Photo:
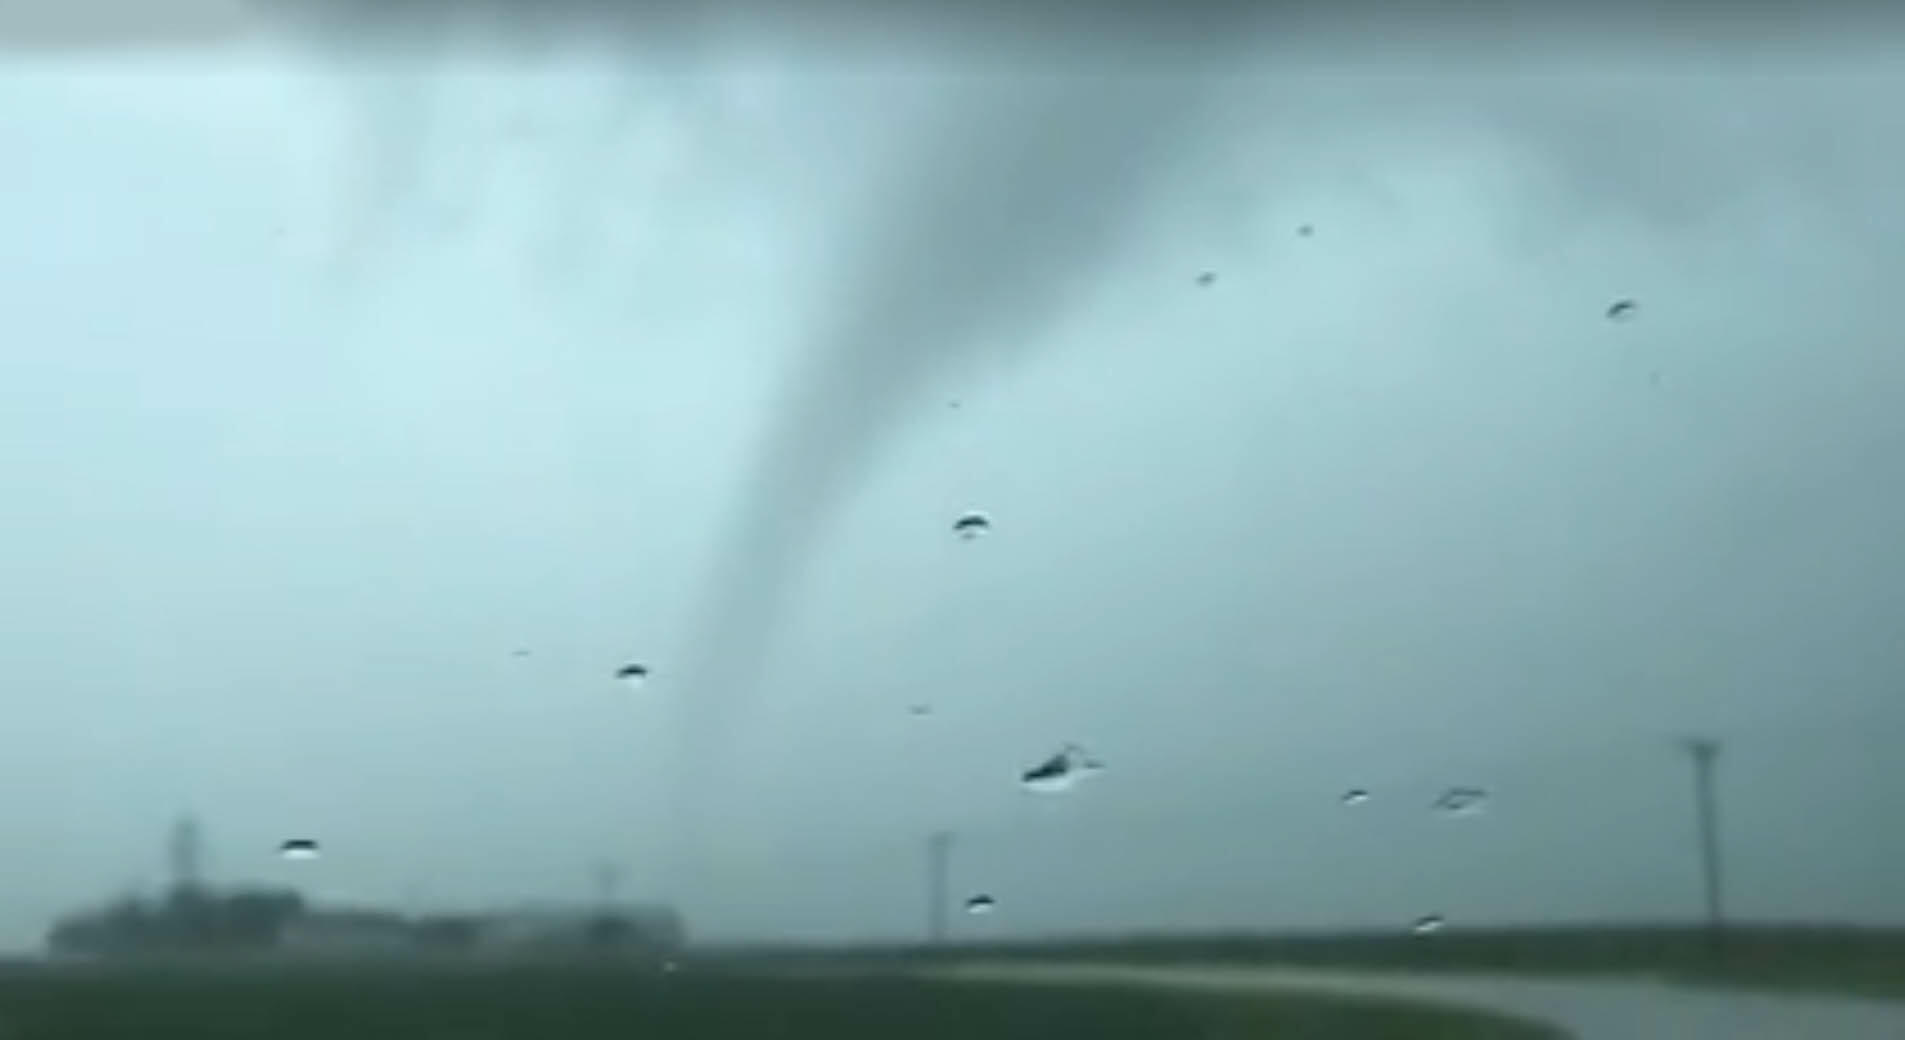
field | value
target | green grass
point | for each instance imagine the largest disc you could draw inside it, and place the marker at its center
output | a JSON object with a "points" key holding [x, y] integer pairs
{"points": [[203, 1003]]}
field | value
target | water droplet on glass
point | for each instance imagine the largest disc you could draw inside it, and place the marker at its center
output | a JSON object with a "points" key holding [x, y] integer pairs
{"points": [[298, 849], [1622, 310], [632, 675], [1355, 796], [920, 711], [519, 653], [1428, 925], [1048, 778], [1462, 801], [670, 967], [1061, 772], [981, 904], [1306, 230], [972, 525], [1207, 279]]}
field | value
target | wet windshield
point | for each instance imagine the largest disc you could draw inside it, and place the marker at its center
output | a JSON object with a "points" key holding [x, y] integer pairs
{"points": [[730, 491]]}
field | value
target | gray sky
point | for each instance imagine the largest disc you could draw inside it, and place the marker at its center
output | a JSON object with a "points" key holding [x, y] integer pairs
{"points": [[335, 375]]}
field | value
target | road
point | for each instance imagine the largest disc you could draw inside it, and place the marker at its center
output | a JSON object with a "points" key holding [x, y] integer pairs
{"points": [[1596, 1009]]}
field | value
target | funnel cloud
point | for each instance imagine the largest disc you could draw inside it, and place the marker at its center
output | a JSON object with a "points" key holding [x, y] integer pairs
{"points": [[1020, 187]]}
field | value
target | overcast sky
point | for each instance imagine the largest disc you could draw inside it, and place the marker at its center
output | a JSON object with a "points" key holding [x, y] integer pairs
{"points": [[364, 405]]}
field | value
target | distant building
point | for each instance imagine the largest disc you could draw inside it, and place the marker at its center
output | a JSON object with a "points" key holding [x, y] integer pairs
{"points": [[190, 919], [200, 920], [635, 930], [347, 933], [447, 933]]}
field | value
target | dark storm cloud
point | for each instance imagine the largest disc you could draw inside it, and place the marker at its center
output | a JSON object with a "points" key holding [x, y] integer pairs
{"points": [[78, 26]]}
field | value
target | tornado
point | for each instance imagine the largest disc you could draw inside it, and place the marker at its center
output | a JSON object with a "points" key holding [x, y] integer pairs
{"points": [[1023, 180]]}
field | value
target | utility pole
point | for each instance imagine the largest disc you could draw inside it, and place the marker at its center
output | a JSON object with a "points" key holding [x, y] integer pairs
{"points": [[1705, 753], [185, 853], [608, 883], [938, 875]]}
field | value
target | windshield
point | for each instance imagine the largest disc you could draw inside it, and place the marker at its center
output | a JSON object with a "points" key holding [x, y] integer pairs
{"points": [[1405, 494]]}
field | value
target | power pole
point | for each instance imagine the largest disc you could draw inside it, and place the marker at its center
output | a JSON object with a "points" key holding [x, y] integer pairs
{"points": [[185, 853], [1705, 753], [608, 883], [938, 875]]}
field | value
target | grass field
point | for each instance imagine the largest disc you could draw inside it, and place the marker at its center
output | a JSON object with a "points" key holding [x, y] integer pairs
{"points": [[1866, 962], [93, 1003]]}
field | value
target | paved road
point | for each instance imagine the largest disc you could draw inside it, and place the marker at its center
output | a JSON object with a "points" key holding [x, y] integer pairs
{"points": [[1599, 1009]]}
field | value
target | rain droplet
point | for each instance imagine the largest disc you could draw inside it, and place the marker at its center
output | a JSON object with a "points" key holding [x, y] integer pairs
{"points": [[670, 967], [519, 653], [1045, 779], [1428, 924], [1061, 772], [1306, 230], [1207, 279], [972, 525], [632, 675], [920, 710], [1462, 801], [1622, 310], [981, 904], [1355, 796], [298, 849]]}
